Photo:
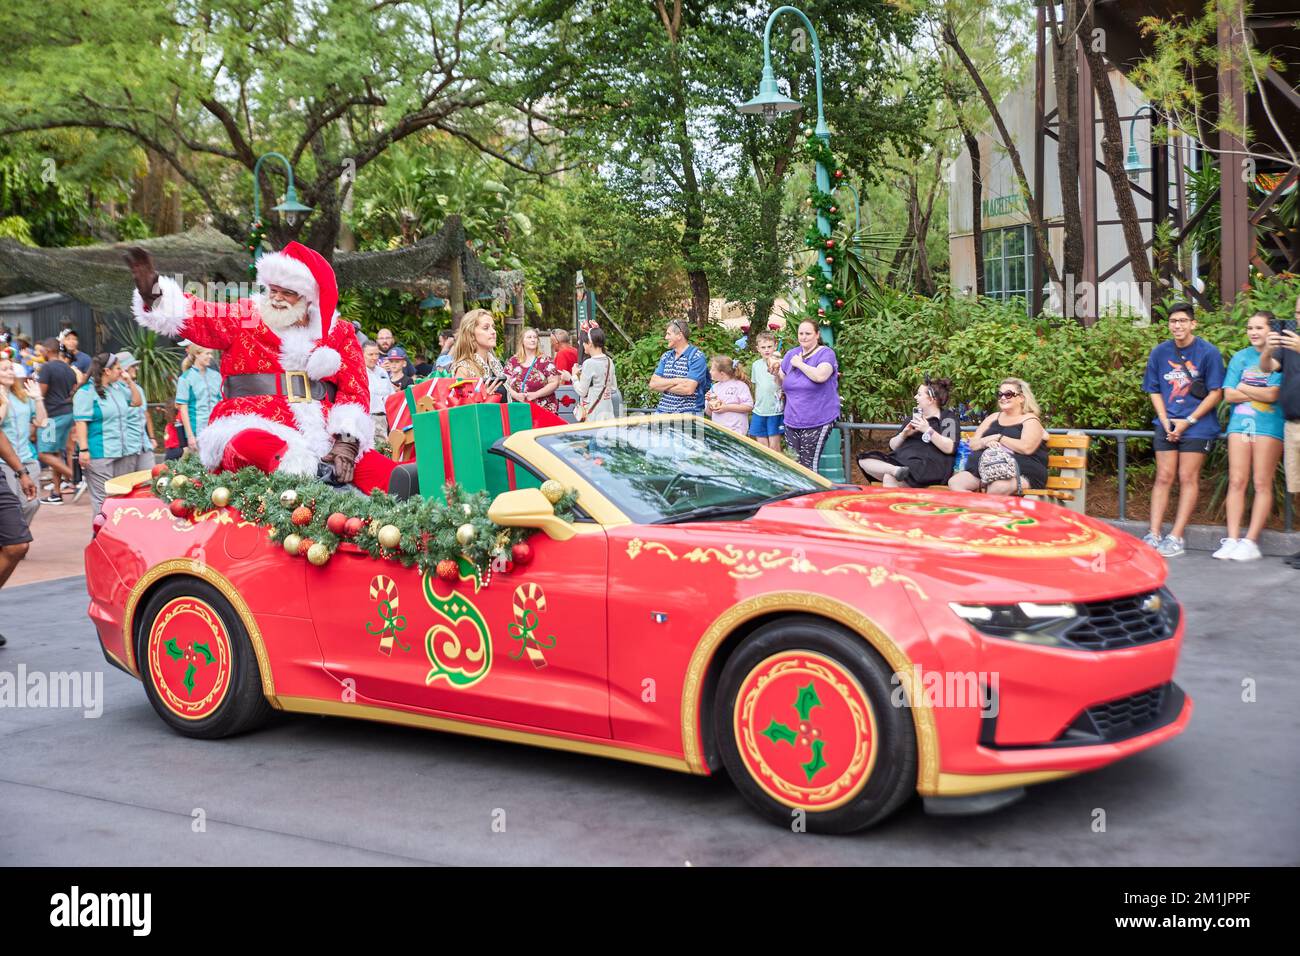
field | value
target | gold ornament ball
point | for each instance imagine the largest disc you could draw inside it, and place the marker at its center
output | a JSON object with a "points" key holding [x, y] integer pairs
{"points": [[220, 496], [178, 481], [318, 554], [467, 509], [553, 490], [390, 536], [288, 498], [465, 535], [291, 543]]}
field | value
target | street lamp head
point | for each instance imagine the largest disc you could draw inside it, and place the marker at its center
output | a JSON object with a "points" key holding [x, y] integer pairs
{"points": [[770, 101], [1132, 163], [291, 207]]}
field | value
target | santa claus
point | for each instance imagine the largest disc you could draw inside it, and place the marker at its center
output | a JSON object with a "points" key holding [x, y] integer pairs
{"points": [[295, 393]]}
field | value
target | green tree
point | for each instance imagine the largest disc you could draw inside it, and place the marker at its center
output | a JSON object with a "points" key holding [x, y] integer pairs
{"points": [[209, 85]]}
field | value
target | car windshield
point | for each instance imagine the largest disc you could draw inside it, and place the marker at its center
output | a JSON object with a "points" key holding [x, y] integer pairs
{"points": [[663, 470]]}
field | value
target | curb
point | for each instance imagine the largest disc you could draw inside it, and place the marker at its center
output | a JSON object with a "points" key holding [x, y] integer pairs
{"points": [[1205, 537]]}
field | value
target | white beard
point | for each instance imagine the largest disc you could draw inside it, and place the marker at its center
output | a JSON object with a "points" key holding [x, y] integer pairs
{"points": [[280, 319]]}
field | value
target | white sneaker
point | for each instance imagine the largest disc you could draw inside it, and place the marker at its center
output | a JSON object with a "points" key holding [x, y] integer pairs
{"points": [[1246, 550], [1152, 539], [1226, 547], [1171, 547]]}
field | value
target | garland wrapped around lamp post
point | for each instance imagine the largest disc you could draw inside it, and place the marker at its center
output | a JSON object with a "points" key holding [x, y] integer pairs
{"points": [[769, 103], [310, 519]]}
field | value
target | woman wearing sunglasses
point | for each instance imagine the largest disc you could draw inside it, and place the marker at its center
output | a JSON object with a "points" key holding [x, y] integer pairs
{"points": [[101, 413], [1017, 427]]}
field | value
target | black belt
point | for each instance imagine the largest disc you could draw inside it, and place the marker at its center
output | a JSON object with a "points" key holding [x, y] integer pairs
{"points": [[294, 386]]}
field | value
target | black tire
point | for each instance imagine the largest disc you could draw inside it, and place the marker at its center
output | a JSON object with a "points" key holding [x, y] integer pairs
{"points": [[242, 705], [889, 781]]}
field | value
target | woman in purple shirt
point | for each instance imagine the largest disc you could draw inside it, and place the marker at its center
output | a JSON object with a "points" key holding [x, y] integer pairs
{"points": [[809, 376]]}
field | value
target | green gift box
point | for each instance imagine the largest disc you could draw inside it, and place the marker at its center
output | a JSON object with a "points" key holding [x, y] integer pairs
{"points": [[451, 444]]}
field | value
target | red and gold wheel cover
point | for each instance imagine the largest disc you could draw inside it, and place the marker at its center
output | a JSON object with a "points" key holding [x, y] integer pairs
{"points": [[805, 730], [189, 658]]}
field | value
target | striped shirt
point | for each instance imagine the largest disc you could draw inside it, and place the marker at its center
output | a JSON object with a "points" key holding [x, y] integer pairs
{"points": [[692, 364]]}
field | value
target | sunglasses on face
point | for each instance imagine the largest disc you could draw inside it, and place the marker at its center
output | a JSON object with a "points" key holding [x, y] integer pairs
{"points": [[1007, 395]]}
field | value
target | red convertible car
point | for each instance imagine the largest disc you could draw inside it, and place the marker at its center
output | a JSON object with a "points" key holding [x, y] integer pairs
{"points": [[712, 606]]}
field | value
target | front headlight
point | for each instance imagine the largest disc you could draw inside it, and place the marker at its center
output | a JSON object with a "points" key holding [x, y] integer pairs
{"points": [[1027, 622]]}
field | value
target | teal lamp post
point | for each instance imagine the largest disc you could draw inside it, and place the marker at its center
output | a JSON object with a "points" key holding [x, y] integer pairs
{"points": [[290, 207], [770, 103], [1132, 162]]}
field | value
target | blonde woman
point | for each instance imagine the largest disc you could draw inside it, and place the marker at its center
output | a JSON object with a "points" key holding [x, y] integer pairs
{"points": [[531, 376], [1016, 426], [197, 392], [474, 354]]}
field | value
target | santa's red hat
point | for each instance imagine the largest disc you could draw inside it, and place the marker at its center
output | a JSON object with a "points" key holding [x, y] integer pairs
{"points": [[306, 272]]}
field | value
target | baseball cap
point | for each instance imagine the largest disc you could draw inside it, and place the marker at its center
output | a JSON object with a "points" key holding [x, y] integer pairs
{"points": [[396, 352], [126, 360]]}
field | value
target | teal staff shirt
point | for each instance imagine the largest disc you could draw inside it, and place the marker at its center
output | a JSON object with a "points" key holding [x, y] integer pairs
{"points": [[107, 420]]}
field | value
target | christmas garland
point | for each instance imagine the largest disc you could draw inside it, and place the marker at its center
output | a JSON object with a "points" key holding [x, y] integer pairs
{"points": [[311, 519], [256, 236], [817, 150]]}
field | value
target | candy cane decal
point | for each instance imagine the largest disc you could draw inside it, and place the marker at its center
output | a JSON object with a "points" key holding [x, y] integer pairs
{"points": [[529, 603], [384, 591]]}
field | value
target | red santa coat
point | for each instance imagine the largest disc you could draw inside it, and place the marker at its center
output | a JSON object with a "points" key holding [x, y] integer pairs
{"points": [[248, 345]]}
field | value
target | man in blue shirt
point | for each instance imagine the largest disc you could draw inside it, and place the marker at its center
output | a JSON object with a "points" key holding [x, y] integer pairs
{"points": [[1184, 378], [682, 374]]}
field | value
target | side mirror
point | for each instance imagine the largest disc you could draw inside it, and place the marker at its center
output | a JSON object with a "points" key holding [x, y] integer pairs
{"points": [[529, 508]]}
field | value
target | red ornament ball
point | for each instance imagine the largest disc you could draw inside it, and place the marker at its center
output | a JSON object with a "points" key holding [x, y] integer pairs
{"points": [[839, 174], [839, 303], [179, 508], [830, 258], [337, 523], [448, 569], [353, 527], [835, 209], [301, 516], [522, 553], [821, 312], [304, 547], [158, 471], [830, 243]]}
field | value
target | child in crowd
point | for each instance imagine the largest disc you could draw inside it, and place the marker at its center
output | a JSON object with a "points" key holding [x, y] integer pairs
{"points": [[730, 401], [767, 424]]}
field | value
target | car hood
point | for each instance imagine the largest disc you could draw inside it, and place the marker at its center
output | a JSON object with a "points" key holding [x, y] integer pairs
{"points": [[962, 532]]}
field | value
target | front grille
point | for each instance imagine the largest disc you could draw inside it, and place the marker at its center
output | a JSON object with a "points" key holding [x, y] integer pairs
{"points": [[1108, 722], [1126, 716], [1122, 622]]}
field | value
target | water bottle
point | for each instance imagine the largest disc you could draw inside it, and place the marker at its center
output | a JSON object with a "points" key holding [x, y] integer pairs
{"points": [[963, 452]]}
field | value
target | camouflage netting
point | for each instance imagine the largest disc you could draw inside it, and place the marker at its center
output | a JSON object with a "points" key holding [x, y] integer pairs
{"points": [[97, 275]]}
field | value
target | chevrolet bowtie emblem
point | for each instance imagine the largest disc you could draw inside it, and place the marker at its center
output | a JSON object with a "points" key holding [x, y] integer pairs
{"points": [[1152, 604]]}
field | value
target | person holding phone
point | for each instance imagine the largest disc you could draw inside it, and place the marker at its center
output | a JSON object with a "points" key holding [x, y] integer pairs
{"points": [[923, 451], [1184, 377], [1281, 353]]}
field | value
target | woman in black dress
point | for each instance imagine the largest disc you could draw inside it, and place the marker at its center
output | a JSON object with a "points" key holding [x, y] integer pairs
{"points": [[1017, 427], [923, 450]]}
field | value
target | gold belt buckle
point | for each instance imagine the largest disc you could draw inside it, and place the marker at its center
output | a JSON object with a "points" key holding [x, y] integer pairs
{"points": [[291, 392]]}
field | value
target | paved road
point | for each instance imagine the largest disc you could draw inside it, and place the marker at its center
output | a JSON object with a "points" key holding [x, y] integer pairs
{"points": [[122, 789]]}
